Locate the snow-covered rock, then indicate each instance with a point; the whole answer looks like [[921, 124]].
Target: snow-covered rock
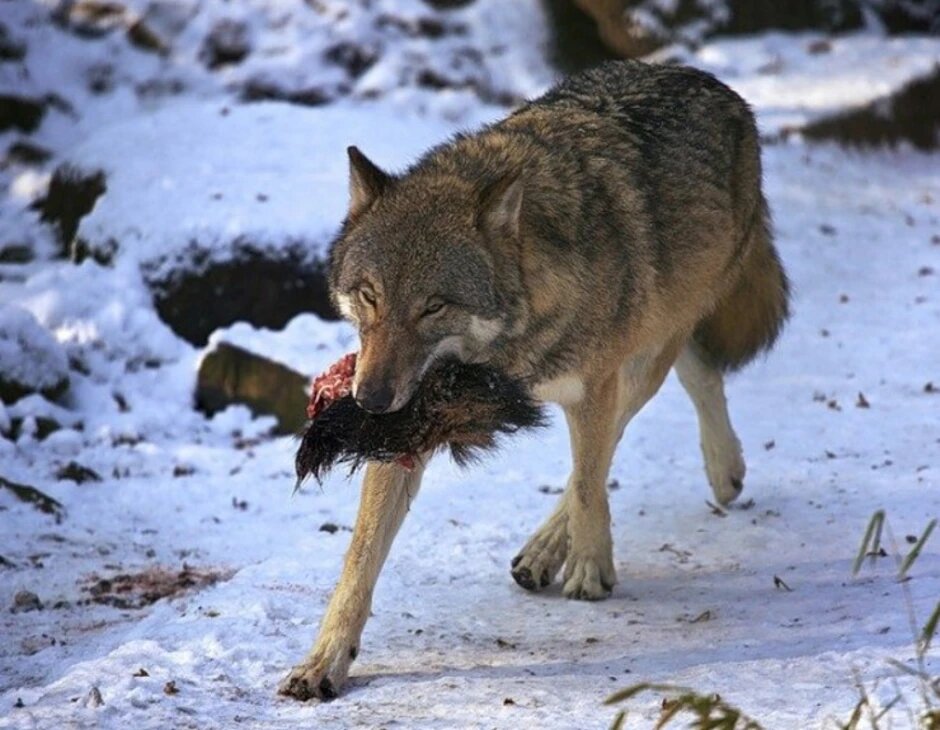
[[31, 360], [232, 218]]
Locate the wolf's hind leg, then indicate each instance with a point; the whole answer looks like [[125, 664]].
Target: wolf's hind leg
[[724, 462], [387, 491]]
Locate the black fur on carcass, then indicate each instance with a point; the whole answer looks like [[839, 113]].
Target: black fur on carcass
[[459, 406]]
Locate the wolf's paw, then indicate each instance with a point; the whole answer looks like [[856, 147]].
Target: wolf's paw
[[537, 564], [320, 676], [725, 467], [589, 578]]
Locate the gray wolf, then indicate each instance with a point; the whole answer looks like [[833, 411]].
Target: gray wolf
[[597, 237]]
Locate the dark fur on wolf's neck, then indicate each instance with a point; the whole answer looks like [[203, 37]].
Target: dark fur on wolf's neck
[[460, 406]]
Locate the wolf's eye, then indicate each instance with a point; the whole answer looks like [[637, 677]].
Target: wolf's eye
[[433, 307], [367, 297]]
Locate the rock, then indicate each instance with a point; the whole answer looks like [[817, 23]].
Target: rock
[[632, 28], [35, 416], [21, 112], [73, 471], [618, 30], [447, 4], [230, 375], [25, 152], [25, 601], [910, 114], [100, 78], [40, 428], [228, 43], [91, 18], [908, 16], [72, 195], [16, 253], [31, 360], [11, 49], [755, 16], [267, 289], [145, 38], [31, 495], [575, 41], [261, 89], [93, 698], [356, 59], [168, 18]]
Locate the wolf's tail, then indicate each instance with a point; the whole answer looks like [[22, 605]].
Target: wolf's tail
[[748, 318]]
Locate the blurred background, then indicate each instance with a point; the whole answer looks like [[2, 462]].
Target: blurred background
[[171, 175]]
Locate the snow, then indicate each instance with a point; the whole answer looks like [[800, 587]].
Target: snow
[[169, 211], [452, 637], [307, 344], [795, 78]]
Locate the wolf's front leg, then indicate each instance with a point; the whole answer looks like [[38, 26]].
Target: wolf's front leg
[[387, 491], [595, 426], [578, 532]]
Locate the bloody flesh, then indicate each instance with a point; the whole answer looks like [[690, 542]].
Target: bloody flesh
[[334, 384]]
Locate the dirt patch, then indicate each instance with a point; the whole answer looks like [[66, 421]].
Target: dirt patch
[[139, 590]]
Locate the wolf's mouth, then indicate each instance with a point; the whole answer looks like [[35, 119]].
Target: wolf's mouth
[[459, 406]]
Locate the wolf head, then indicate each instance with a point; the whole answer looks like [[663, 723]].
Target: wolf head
[[416, 268]]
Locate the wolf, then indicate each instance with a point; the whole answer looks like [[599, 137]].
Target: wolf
[[598, 236]]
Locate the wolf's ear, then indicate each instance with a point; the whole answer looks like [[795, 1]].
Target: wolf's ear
[[501, 205], [367, 181]]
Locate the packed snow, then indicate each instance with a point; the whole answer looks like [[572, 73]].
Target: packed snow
[[757, 602]]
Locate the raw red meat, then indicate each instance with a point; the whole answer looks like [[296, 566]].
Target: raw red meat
[[332, 385]]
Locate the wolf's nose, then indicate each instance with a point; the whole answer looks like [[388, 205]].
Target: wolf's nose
[[377, 401]]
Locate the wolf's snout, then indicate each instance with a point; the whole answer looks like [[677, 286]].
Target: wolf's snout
[[377, 399]]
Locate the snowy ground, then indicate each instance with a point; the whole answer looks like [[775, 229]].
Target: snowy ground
[[453, 642]]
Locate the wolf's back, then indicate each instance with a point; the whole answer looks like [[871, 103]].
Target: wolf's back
[[694, 136]]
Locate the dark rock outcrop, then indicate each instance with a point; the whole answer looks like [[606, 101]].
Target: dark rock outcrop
[[72, 195], [23, 113], [228, 43], [91, 18], [11, 48], [41, 501], [910, 114], [632, 28], [267, 289], [31, 360]]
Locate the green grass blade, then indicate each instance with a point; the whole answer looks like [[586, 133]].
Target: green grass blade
[[930, 630], [915, 551], [872, 540]]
